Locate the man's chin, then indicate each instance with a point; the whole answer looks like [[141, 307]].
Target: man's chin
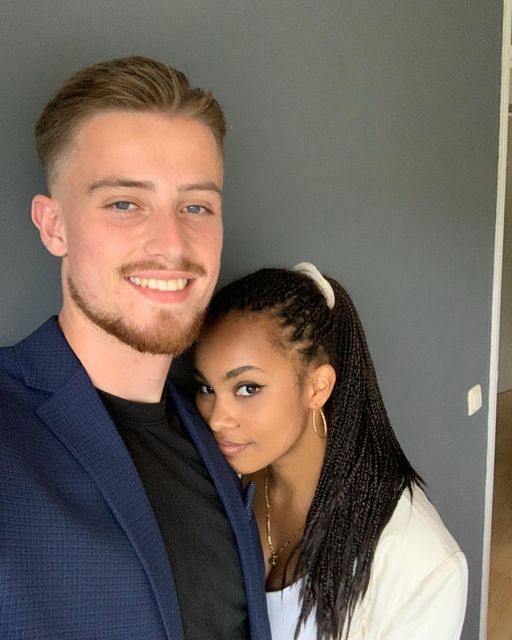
[[164, 337], [165, 334]]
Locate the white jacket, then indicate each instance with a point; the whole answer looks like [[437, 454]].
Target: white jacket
[[418, 583]]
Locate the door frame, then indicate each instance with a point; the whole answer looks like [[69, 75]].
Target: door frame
[[506, 60]]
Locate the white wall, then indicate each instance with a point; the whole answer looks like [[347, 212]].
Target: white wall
[[505, 362]]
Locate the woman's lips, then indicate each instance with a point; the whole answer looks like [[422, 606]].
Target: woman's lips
[[231, 448]]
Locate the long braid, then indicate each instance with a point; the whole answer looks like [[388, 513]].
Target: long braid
[[364, 471]]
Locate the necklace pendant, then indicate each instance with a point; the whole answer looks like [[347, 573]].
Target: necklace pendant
[[272, 560]]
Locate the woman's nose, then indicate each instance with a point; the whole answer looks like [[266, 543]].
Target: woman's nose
[[221, 418]]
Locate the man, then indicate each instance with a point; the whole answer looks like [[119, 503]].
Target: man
[[118, 516]]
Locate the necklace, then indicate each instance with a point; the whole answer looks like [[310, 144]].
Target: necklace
[[274, 555]]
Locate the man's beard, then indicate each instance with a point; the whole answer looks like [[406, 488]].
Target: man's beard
[[164, 337]]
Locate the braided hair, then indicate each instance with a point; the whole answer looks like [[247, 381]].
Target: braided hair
[[364, 471]]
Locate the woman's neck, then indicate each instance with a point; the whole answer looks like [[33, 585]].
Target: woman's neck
[[285, 490]]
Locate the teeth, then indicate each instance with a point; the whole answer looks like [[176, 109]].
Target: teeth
[[160, 285]]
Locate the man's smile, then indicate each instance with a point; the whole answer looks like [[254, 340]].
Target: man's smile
[[160, 285]]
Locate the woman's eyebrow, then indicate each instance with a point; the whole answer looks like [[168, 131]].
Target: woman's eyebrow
[[234, 373]]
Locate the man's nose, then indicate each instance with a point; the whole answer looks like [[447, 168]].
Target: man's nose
[[166, 236]]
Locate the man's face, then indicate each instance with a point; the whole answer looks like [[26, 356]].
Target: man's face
[[139, 198]]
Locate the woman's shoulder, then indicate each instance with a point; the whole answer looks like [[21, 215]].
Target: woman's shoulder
[[419, 575], [415, 542]]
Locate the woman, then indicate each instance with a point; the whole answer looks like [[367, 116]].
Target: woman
[[353, 547]]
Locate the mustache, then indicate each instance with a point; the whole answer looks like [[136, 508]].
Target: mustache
[[157, 265]]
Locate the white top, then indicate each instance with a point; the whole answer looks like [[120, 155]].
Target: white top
[[418, 583]]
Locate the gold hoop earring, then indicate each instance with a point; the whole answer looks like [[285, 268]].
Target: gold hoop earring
[[323, 433]]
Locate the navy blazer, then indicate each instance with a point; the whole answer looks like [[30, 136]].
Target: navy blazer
[[81, 555]]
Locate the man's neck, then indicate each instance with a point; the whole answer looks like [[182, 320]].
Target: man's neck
[[113, 366]]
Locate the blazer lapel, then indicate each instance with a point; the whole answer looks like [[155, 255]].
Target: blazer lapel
[[77, 417], [238, 507]]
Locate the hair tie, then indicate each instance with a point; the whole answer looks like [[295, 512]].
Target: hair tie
[[322, 283]]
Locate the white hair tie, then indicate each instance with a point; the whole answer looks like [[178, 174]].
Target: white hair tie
[[310, 270]]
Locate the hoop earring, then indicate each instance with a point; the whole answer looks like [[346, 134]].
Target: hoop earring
[[323, 432]]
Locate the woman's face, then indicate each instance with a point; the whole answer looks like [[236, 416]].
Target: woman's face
[[250, 392]]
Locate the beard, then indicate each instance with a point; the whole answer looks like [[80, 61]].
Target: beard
[[165, 337]]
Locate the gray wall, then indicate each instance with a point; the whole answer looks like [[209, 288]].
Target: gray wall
[[364, 137]]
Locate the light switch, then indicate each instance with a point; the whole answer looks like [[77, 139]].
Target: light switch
[[474, 399]]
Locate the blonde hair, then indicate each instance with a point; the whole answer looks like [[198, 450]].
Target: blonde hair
[[124, 84]]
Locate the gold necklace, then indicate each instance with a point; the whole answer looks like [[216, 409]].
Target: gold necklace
[[274, 555]]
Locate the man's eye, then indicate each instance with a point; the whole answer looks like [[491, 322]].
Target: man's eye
[[196, 209], [248, 390], [122, 205]]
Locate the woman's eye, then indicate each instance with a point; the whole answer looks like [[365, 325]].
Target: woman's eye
[[248, 390], [204, 389]]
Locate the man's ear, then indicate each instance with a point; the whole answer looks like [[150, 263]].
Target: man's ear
[[47, 217], [322, 382]]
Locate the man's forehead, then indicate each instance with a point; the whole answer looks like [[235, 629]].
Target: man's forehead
[[111, 126], [115, 136]]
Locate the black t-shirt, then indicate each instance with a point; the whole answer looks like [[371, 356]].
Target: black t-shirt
[[200, 543]]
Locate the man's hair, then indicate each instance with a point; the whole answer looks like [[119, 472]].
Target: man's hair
[[124, 84]]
